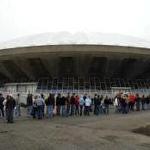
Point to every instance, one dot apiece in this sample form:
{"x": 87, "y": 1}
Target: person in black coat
{"x": 62, "y": 106}
{"x": 106, "y": 104}
{"x": 138, "y": 101}
{"x": 58, "y": 103}
{"x": 29, "y": 104}
{"x": 10, "y": 105}
{"x": 1, "y": 104}
{"x": 96, "y": 105}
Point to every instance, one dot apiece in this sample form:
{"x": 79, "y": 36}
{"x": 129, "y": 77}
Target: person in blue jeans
{"x": 43, "y": 106}
{"x": 18, "y": 110}
{"x": 124, "y": 104}
{"x": 39, "y": 102}
{"x": 72, "y": 103}
{"x": 50, "y": 103}
{"x": 63, "y": 106}
{"x": 82, "y": 102}
{"x": 106, "y": 104}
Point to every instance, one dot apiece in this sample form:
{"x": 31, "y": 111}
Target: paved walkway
{"x": 107, "y": 132}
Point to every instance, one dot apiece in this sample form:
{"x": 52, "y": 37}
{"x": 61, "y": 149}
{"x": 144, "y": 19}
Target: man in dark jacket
{"x": 58, "y": 101}
{"x": 63, "y": 105}
{"x": 50, "y": 103}
{"x": 106, "y": 104}
{"x": 68, "y": 104}
{"x": 138, "y": 100}
{"x": 96, "y": 105}
{"x": 10, "y": 105}
{"x": 29, "y": 104}
{"x": 1, "y": 105}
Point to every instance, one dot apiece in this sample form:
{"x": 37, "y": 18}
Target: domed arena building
{"x": 80, "y": 62}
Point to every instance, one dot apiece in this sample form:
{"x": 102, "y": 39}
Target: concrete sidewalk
{"x": 104, "y": 132}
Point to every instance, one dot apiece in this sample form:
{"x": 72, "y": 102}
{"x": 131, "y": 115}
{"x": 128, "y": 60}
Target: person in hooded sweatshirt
{"x": 10, "y": 105}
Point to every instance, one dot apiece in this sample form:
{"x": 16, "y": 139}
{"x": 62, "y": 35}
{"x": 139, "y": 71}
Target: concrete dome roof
{"x": 66, "y": 38}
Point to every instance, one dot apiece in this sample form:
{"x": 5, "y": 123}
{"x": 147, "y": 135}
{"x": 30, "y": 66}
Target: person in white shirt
{"x": 88, "y": 102}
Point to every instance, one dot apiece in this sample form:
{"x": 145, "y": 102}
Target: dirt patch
{"x": 147, "y": 145}
{"x": 143, "y": 130}
{"x": 3, "y": 132}
{"x": 110, "y": 138}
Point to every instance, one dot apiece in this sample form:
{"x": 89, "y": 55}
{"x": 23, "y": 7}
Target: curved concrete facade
{"x": 54, "y": 61}
{"x": 75, "y": 49}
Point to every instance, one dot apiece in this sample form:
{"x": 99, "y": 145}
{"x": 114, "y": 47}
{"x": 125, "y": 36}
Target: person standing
{"x": 63, "y": 105}
{"x": 43, "y": 106}
{"x": 58, "y": 101}
{"x": 88, "y": 103}
{"x": 81, "y": 105}
{"x": 72, "y": 103}
{"x": 29, "y": 104}
{"x": 68, "y": 104}
{"x": 96, "y": 104}
{"x": 10, "y": 105}
{"x": 106, "y": 104}
{"x": 40, "y": 103}
{"x": 50, "y": 103}
{"x": 116, "y": 103}
{"x": 137, "y": 100}
{"x": 34, "y": 107}
{"x": 131, "y": 103}
{"x": 124, "y": 103}
{"x": 143, "y": 102}
{"x": 17, "y": 110}
{"x": 1, "y": 104}
{"x": 147, "y": 102}
{"x": 77, "y": 101}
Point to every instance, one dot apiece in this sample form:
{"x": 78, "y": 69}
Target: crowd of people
{"x": 39, "y": 106}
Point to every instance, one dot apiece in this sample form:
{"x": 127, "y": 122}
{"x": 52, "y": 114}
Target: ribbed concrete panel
{"x": 25, "y": 67}
{"x": 16, "y": 73}
{"x": 38, "y": 68}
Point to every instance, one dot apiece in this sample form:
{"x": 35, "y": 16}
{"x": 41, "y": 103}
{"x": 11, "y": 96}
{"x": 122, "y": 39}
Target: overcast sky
{"x": 26, "y": 17}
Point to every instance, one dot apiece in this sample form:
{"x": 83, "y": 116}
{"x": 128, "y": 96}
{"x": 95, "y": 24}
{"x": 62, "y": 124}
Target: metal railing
{"x": 92, "y": 85}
